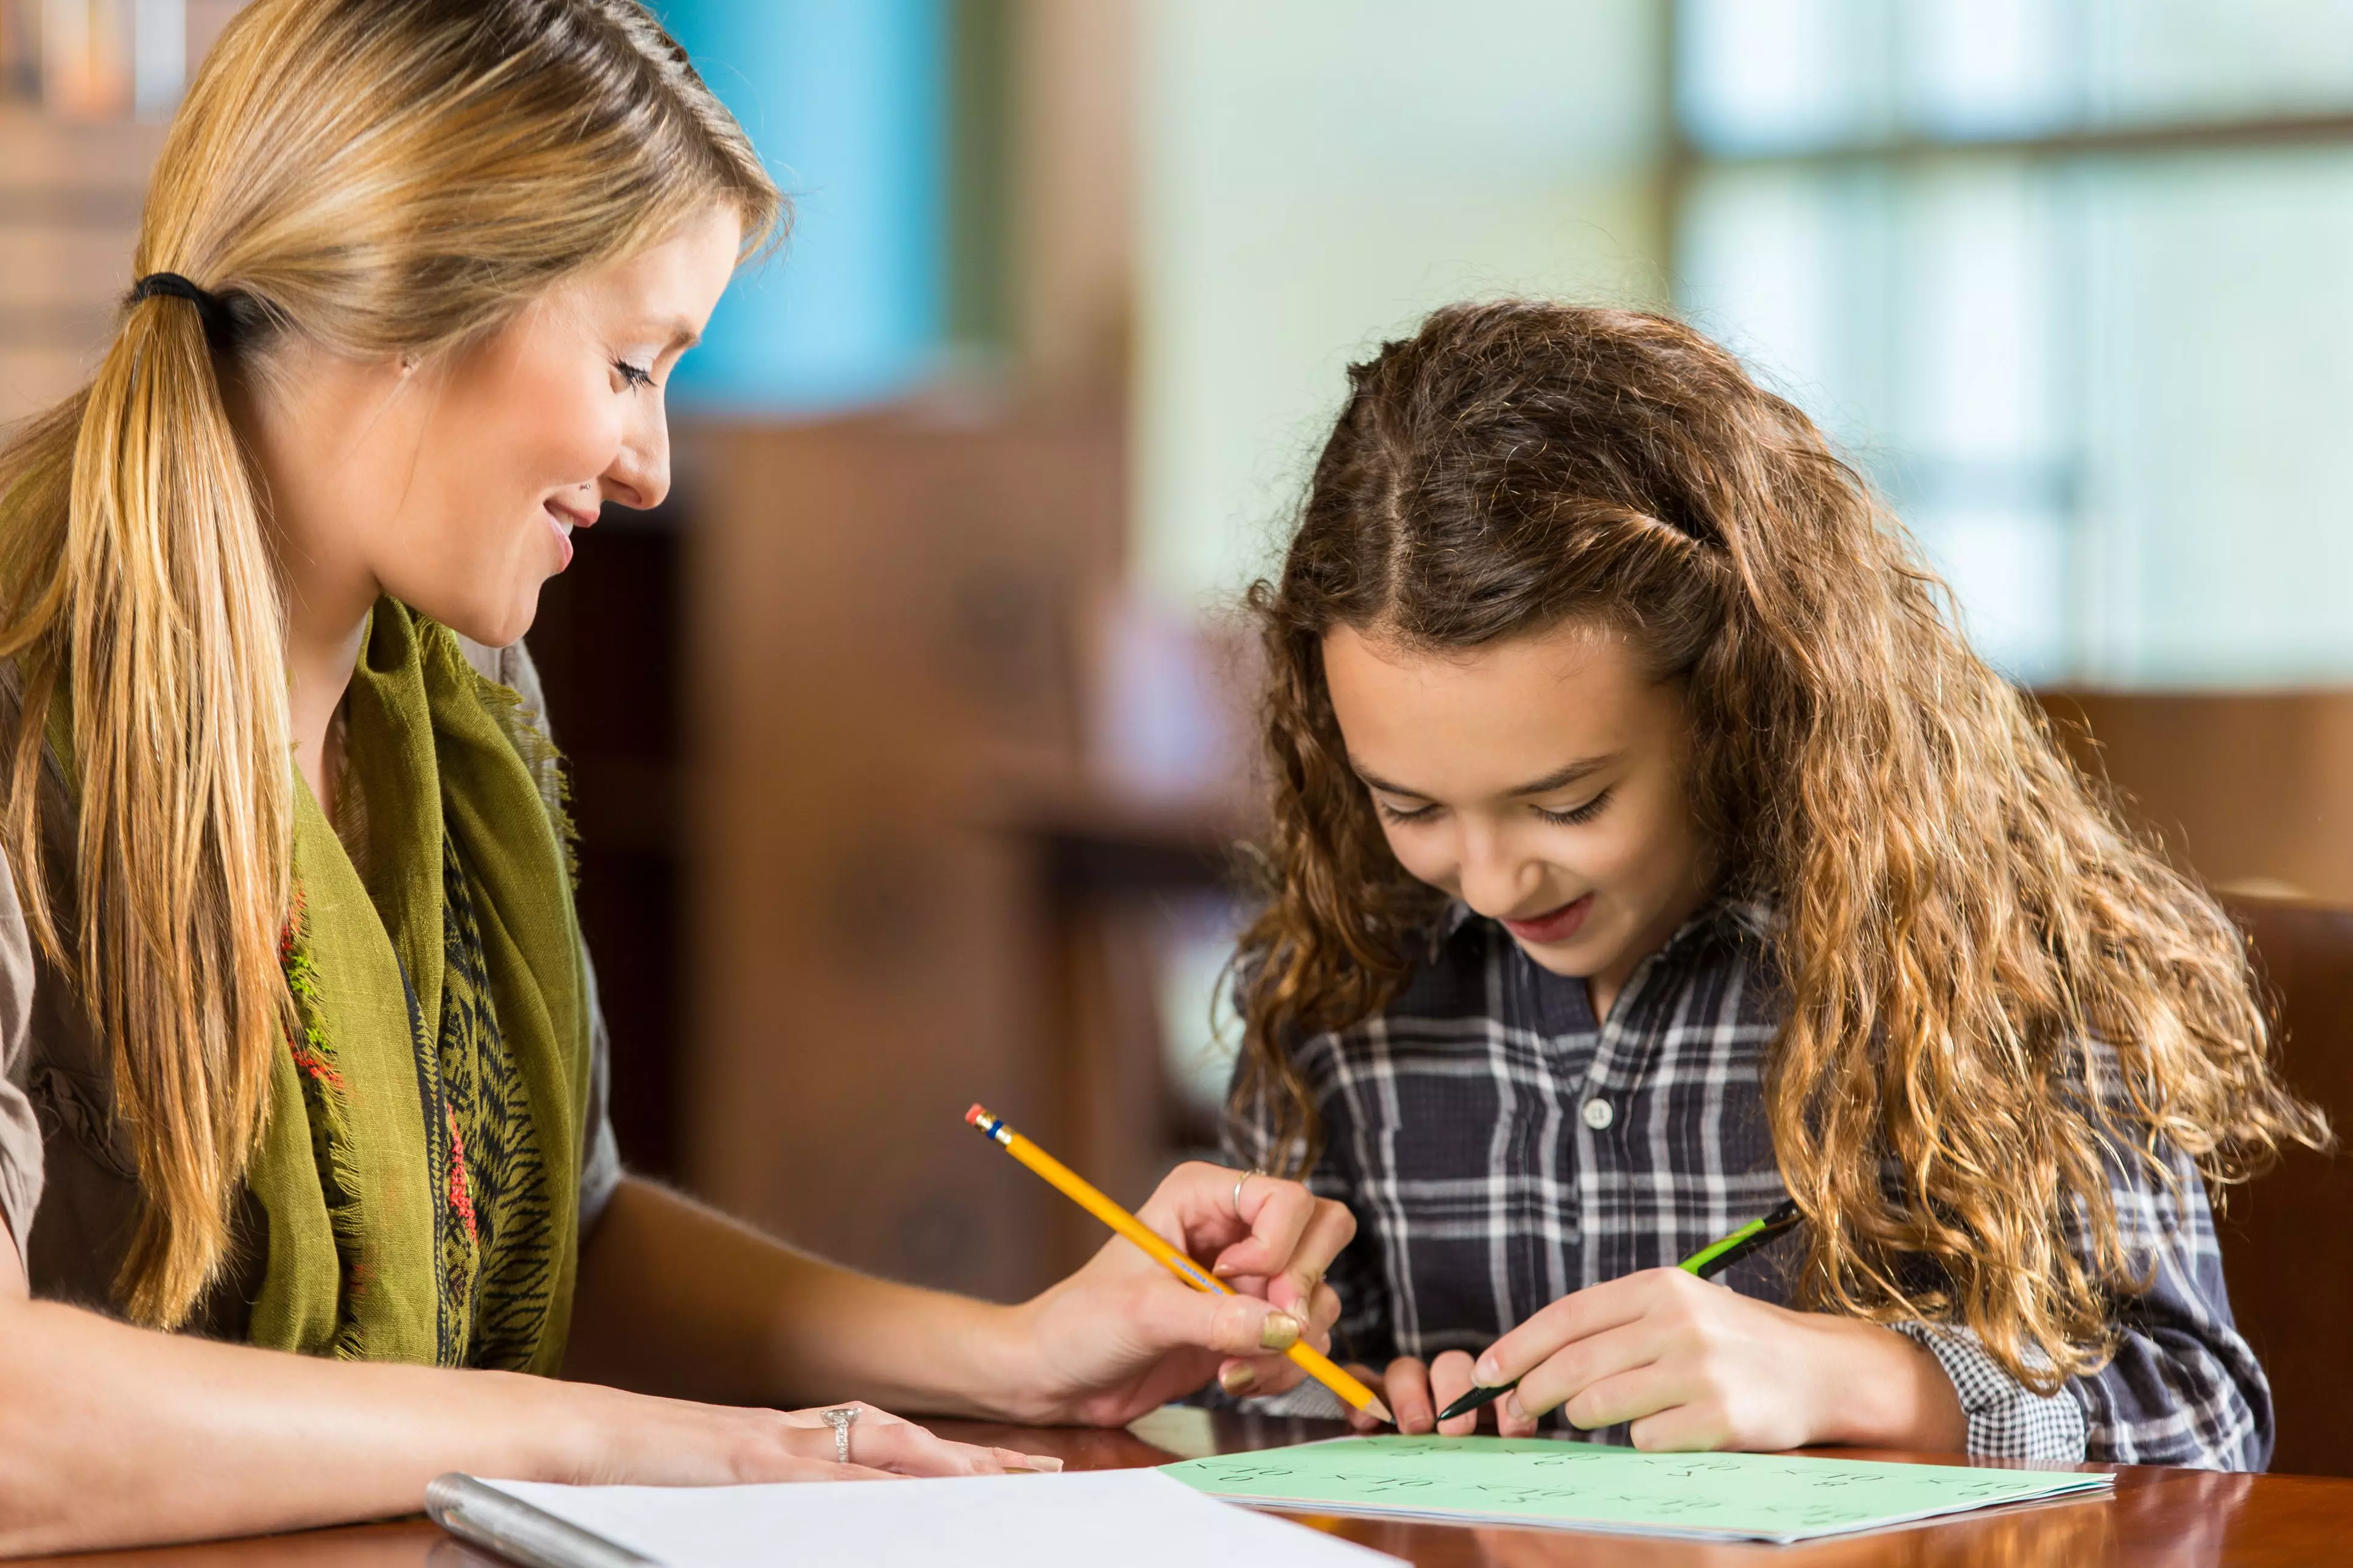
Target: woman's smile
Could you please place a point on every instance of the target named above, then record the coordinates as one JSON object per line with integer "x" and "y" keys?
{"x": 561, "y": 521}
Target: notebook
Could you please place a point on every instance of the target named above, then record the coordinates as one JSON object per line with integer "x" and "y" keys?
{"x": 1139, "y": 1519}
{"x": 1534, "y": 1482}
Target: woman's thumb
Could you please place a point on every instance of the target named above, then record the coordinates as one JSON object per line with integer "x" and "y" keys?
{"x": 1229, "y": 1325}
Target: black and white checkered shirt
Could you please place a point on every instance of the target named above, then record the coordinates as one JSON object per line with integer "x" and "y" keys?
{"x": 1500, "y": 1148}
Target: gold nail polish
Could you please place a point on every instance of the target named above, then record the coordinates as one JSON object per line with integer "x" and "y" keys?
{"x": 1238, "y": 1379}
{"x": 1279, "y": 1333}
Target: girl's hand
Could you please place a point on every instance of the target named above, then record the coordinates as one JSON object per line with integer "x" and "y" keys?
{"x": 673, "y": 1442}
{"x": 1695, "y": 1366}
{"x": 1124, "y": 1335}
{"x": 1415, "y": 1393}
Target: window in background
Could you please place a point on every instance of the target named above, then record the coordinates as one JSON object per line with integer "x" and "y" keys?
{"x": 1313, "y": 177}
{"x": 2067, "y": 278}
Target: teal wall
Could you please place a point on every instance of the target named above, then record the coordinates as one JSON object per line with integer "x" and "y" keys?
{"x": 847, "y": 102}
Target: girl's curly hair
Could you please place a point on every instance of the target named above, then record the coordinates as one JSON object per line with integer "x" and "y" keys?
{"x": 1993, "y": 988}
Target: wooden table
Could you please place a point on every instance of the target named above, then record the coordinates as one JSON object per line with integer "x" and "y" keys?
{"x": 2181, "y": 1519}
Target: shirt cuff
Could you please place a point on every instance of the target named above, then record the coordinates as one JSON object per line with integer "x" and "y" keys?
{"x": 1310, "y": 1399}
{"x": 2007, "y": 1419}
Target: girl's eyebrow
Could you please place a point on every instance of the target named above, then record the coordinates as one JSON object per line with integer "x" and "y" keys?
{"x": 1373, "y": 780}
{"x": 1559, "y": 778}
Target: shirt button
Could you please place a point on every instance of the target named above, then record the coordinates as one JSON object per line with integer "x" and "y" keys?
{"x": 1599, "y": 1113}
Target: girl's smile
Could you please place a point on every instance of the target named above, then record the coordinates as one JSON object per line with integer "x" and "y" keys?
{"x": 1558, "y": 926}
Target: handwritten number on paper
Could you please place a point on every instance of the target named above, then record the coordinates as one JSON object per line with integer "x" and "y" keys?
{"x": 1982, "y": 1490}
{"x": 1245, "y": 1475}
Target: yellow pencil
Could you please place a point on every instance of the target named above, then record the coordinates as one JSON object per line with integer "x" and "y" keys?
{"x": 1071, "y": 1185}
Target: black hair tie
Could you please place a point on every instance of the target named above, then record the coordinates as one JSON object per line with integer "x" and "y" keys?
{"x": 210, "y": 307}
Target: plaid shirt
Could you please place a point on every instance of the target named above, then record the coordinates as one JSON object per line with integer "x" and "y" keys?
{"x": 1500, "y": 1148}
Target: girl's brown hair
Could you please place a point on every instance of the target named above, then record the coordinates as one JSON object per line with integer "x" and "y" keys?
{"x": 1992, "y": 988}
{"x": 382, "y": 178}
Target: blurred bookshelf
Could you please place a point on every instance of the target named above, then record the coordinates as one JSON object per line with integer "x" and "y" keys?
{"x": 86, "y": 87}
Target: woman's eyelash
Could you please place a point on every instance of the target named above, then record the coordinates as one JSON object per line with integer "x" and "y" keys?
{"x": 1571, "y": 817}
{"x": 635, "y": 375}
{"x": 1391, "y": 814}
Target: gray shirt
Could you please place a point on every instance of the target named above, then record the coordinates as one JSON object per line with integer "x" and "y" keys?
{"x": 23, "y": 1163}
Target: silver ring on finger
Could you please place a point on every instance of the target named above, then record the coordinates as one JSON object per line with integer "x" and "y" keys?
{"x": 1246, "y": 1175}
{"x": 841, "y": 1419}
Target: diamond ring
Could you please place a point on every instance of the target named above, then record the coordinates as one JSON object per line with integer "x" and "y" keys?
{"x": 841, "y": 1419}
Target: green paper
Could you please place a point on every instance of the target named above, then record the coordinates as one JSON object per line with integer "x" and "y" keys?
{"x": 1531, "y": 1481}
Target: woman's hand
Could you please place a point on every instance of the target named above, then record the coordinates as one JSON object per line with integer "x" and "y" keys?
{"x": 678, "y": 1443}
{"x": 1695, "y": 1366}
{"x": 908, "y": 1449}
{"x": 1123, "y": 1335}
{"x": 187, "y": 1439}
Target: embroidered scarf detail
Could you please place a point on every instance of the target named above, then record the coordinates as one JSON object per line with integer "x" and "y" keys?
{"x": 437, "y": 1067}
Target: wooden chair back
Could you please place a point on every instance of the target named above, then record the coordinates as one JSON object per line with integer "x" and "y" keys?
{"x": 2287, "y": 1237}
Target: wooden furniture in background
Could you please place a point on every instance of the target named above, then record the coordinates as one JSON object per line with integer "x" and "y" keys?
{"x": 2157, "y": 1519}
{"x": 71, "y": 194}
{"x": 2245, "y": 787}
{"x": 883, "y": 649}
{"x": 1103, "y": 875}
{"x": 73, "y": 178}
{"x": 2287, "y": 1237}
{"x": 608, "y": 642}
{"x": 2253, "y": 793}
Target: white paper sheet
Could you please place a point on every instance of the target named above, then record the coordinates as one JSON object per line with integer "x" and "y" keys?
{"x": 1137, "y": 1518}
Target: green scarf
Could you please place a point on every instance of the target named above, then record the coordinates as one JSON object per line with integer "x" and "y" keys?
{"x": 419, "y": 1170}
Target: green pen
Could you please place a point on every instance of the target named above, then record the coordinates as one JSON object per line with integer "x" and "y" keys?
{"x": 1707, "y": 1263}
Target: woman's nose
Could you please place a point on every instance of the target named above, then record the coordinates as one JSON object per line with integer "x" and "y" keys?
{"x": 640, "y": 476}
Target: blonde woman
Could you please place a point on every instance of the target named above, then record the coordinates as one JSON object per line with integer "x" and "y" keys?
{"x": 303, "y": 1162}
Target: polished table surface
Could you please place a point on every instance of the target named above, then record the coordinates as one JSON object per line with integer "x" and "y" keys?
{"x": 2181, "y": 1518}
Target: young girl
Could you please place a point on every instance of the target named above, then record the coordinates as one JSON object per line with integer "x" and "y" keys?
{"x": 1649, "y": 847}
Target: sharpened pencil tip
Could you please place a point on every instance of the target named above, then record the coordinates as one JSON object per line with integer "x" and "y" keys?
{"x": 1379, "y": 1412}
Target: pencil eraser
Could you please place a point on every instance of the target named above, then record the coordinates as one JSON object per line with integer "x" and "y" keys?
{"x": 976, "y": 1115}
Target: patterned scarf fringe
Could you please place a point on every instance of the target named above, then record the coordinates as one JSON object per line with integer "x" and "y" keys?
{"x": 330, "y": 1118}
{"x": 541, "y": 758}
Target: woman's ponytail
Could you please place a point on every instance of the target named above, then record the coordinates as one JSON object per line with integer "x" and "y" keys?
{"x": 160, "y": 629}
{"x": 181, "y": 749}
